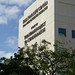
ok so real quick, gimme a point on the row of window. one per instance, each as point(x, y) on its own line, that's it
point(62, 31)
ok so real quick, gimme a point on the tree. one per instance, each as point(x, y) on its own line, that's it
point(39, 60)
point(47, 62)
point(15, 66)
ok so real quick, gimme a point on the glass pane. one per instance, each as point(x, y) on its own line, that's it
point(73, 33)
point(62, 31)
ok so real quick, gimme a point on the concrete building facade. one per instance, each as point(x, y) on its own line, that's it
point(50, 20)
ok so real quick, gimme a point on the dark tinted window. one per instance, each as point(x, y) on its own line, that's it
point(73, 33)
point(62, 31)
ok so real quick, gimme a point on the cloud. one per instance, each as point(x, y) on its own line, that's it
point(20, 2)
point(17, 2)
point(7, 13)
point(11, 9)
point(2, 9)
point(6, 54)
point(4, 1)
point(3, 20)
point(12, 42)
point(12, 12)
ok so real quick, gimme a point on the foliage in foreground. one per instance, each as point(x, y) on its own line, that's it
point(39, 60)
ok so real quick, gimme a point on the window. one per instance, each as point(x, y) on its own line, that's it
point(73, 33)
point(62, 31)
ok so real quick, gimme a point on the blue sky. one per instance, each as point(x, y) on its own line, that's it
point(10, 13)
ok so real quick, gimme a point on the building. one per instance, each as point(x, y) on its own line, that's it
point(50, 20)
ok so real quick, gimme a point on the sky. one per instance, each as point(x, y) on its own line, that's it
point(10, 13)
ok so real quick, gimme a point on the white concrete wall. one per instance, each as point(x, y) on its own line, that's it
point(47, 15)
point(65, 18)
point(60, 14)
point(21, 36)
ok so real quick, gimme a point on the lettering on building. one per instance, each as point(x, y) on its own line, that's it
point(36, 13)
point(35, 33)
point(34, 26)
